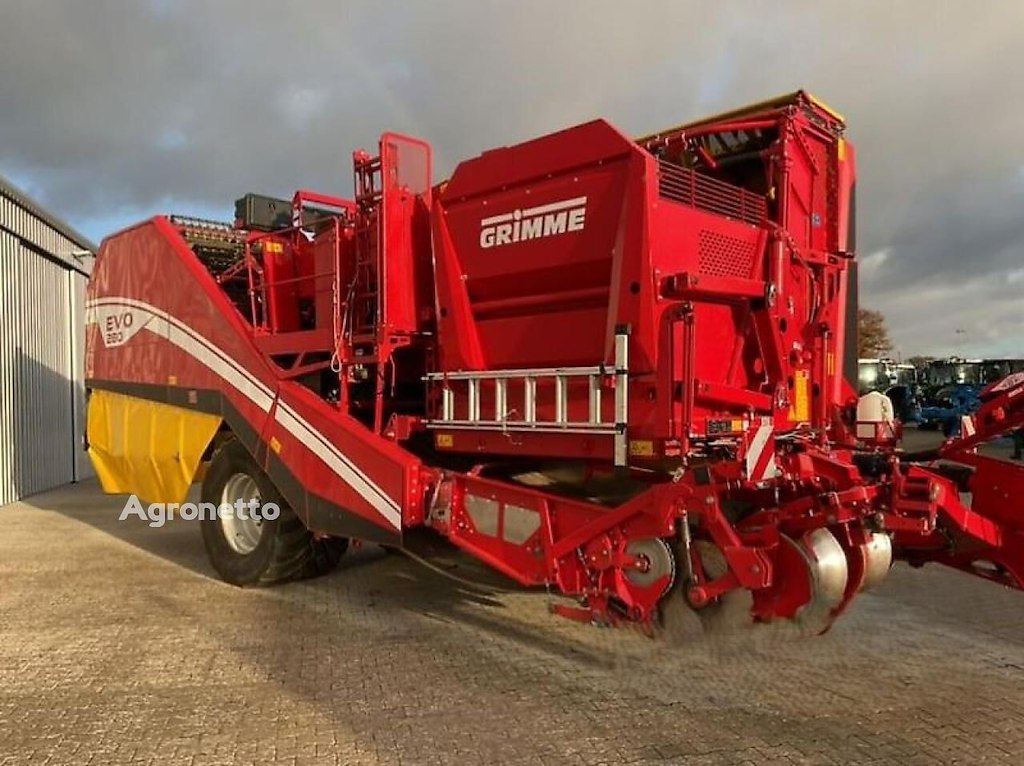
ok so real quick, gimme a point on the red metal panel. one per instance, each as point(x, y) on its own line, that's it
point(532, 262)
point(153, 273)
point(405, 278)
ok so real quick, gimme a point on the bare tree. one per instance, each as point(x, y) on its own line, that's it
point(872, 334)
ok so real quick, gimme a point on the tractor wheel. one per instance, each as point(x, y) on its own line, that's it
point(248, 551)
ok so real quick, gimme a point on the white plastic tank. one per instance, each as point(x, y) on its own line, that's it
point(872, 408)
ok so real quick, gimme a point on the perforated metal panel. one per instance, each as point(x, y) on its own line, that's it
point(725, 256)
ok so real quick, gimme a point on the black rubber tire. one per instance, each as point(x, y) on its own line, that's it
point(286, 550)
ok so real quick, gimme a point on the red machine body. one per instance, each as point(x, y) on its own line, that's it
point(597, 363)
point(544, 249)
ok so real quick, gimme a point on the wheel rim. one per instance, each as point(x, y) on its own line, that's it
point(243, 535)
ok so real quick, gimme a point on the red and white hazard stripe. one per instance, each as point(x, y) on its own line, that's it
point(760, 458)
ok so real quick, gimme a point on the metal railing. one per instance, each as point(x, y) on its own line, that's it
point(706, 193)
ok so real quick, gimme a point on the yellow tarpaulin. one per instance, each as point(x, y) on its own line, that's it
point(146, 448)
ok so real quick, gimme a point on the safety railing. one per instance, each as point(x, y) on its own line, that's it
point(700, 191)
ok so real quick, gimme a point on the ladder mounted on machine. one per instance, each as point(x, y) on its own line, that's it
point(462, 397)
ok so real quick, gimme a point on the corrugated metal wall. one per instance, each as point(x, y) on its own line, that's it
point(42, 396)
point(83, 466)
point(36, 232)
point(9, 254)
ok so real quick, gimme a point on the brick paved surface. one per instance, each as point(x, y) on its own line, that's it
point(117, 645)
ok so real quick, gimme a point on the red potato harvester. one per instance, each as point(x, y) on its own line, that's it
point(623, 369)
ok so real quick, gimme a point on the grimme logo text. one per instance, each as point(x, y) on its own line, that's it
point(157, 514)
point(534, 223)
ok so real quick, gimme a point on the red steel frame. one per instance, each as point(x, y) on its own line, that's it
point(726, 405)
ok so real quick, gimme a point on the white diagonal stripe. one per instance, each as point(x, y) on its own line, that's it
point(497, 219)
point(221, 364)
point(337, 462)
point(757, 445)
point(555, 206)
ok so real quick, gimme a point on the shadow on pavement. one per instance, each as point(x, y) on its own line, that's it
point(432, 579)
point(177, 541)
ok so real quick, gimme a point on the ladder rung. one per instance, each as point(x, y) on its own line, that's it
point(530, 400)
point(500, 395)
point(595, 398)
point(447, 404)
point(561, 399)
point(474, 399)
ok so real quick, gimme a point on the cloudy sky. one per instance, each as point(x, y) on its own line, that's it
point(113, 110)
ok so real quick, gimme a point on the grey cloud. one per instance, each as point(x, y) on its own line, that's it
point(122, 106)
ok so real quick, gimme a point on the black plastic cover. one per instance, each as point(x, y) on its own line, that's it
point(255, 211)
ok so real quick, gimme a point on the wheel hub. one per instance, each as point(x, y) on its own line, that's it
point(659, 562)
point(242, 534)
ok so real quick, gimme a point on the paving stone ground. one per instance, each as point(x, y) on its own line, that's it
point(118, 645)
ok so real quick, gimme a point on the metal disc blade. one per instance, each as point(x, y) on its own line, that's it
point(810, 582)
point(825, 576)
point(877, 553)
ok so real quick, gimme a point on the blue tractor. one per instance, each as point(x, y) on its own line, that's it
point(952, 387)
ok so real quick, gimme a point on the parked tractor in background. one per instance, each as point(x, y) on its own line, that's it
point(951, 388)
point(897, 380)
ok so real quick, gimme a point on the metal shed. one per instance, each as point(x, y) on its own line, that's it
point(44, 265)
